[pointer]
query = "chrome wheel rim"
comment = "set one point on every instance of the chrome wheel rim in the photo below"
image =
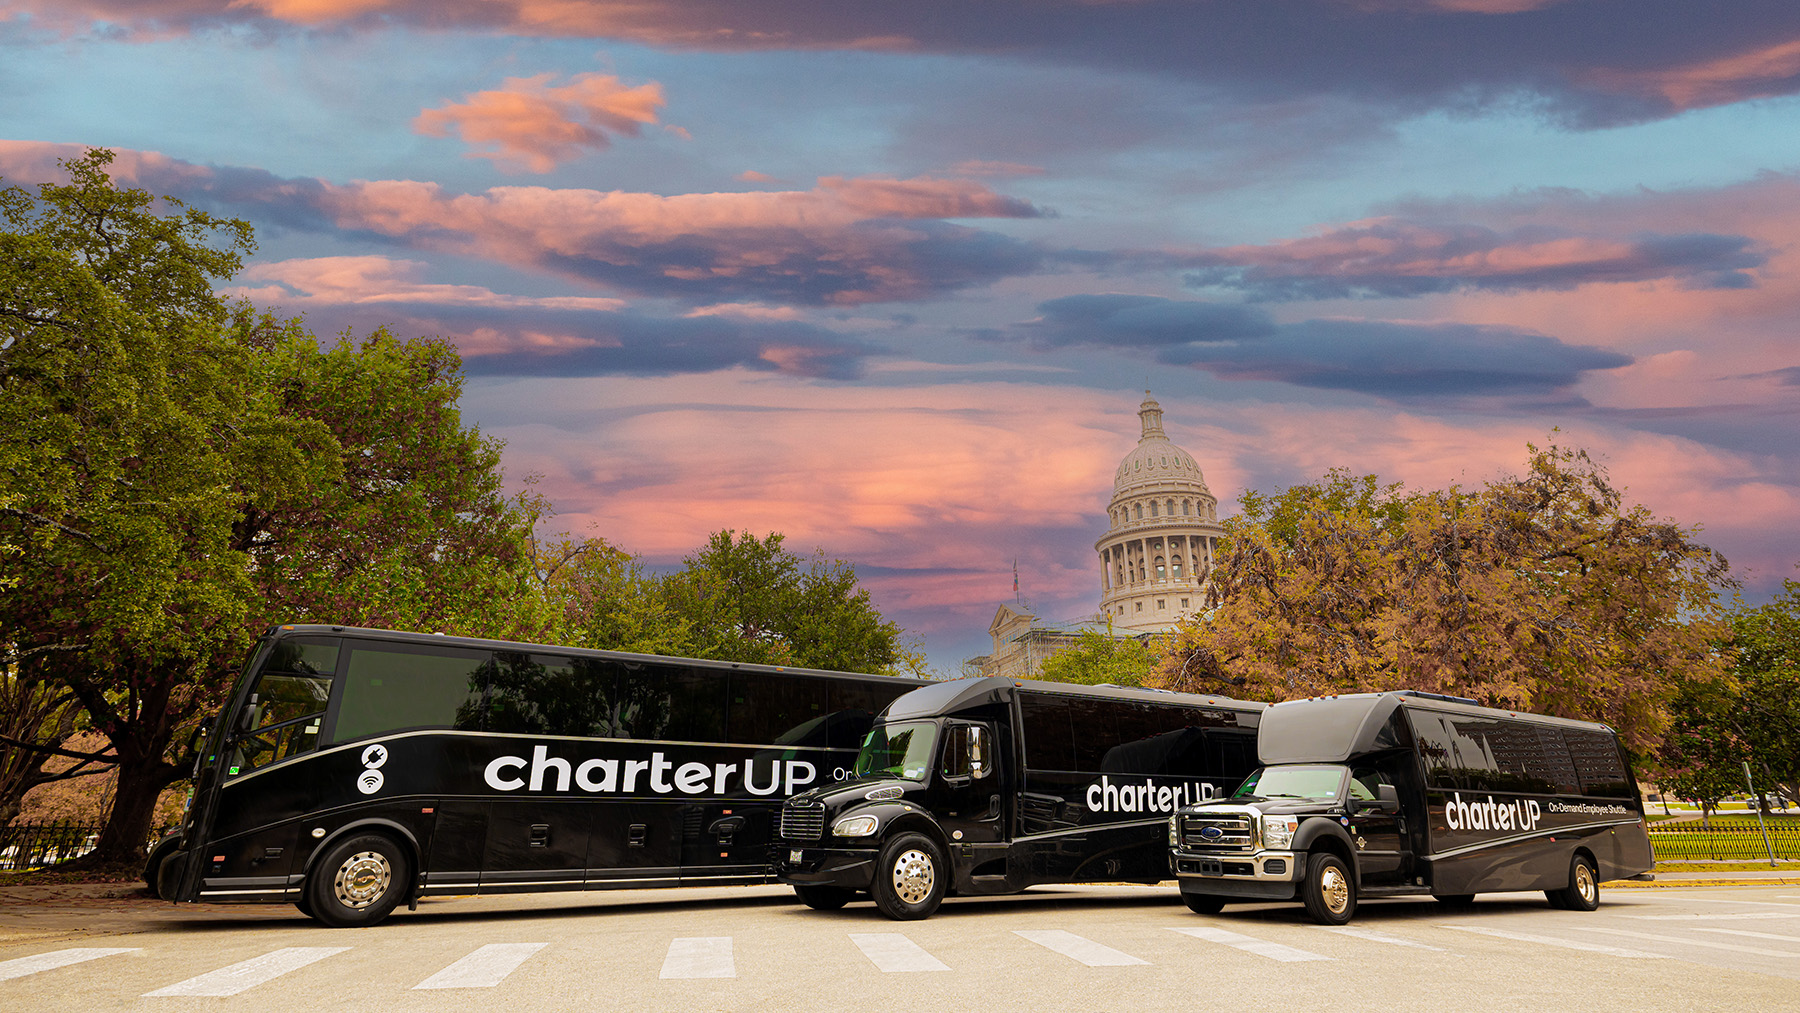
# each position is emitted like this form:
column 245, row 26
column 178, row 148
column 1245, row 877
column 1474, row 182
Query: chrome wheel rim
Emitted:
column 1584, row 883
column 1334, row 890
column 914, row 876
column 362, row 879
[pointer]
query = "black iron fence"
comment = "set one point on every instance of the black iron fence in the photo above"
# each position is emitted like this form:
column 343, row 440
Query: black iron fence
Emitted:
column 1725, row 840
column 32, row 845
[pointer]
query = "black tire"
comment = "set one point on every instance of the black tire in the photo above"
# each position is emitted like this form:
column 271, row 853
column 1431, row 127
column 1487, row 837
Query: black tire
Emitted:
column 824, row 898
column 1583, row 891
column 910, row 878
column 1329, row 891
column 158, row 855
column 1203, row 903
column 1555, row 897
column 1456, row 900
column 304, row 903
column 358, row 881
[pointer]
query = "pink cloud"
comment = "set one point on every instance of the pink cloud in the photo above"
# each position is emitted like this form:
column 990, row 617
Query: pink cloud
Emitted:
column 532, row 124
column 1751, row 73
column 369, row 280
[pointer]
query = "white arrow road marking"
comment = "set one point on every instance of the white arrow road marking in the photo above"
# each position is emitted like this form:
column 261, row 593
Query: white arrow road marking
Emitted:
column 250, row 973
column 22, row 966
column 484, row 968
column 1076, row 948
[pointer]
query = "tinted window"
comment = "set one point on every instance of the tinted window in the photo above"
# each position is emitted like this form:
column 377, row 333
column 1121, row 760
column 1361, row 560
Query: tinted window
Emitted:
column 1049, row 736
column 389, row 688
column 853, row 709
column 670, row 702
column 1096, row 725
column 1596, row 758
column 784, row 709
column 542, row 694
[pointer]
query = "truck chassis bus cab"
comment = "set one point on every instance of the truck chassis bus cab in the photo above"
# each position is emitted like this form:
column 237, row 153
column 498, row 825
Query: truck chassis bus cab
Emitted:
column 989, row 786
column 1397, row 794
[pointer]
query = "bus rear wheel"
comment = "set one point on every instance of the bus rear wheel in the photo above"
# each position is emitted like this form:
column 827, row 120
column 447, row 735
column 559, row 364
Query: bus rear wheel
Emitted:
column 824, row 898
column 1583, row 891
column 910, row 878
column 358, row 881
column 1329, row 892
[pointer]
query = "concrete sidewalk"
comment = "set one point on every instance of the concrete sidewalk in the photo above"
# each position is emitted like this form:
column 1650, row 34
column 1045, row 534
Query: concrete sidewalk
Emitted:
column 1788, row 875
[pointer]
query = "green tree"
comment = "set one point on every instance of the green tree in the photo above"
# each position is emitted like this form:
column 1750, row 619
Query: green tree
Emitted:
column 749, row 599
column 1538, row 592
column 1766, row 641
column 1099, row 657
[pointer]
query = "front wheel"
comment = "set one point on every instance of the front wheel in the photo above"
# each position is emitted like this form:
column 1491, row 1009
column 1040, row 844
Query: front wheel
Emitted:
column 823, row 898
column 154, row 862
column 910, row 878
column 358, row 881
column 1203, row 903
column 1329, row 892
column 1583, row 891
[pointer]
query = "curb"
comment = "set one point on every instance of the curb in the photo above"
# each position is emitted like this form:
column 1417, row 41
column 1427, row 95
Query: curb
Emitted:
column 1665, row 884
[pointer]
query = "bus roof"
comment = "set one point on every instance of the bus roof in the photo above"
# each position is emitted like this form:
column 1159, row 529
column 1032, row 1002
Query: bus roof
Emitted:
column 1333, row 729
column 960, row 694
column 440, row 639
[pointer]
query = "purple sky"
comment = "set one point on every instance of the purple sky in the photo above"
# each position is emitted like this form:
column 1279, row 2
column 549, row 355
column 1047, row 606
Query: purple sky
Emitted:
column 891, row 278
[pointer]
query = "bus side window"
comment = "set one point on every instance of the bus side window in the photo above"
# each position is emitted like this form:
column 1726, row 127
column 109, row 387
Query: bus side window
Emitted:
column 393, row 687
column 548, row 695
column 291, row 695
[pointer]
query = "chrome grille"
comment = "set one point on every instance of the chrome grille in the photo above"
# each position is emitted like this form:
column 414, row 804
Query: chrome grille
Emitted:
column 1215, row 833
column 801, row 821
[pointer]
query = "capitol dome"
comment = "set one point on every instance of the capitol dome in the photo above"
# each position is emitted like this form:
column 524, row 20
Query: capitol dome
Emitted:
column 1163, row 527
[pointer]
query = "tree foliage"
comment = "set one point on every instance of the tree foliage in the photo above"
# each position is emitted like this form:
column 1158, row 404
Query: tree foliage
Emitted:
column 1540, row 592
column 1099, row 658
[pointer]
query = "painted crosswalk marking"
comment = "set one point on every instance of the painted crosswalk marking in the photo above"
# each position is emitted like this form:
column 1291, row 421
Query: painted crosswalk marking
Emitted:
column 700, row 957
column 22, row 966
column 1753, row 935
column 892, row 951
column 250, row 973
column 1373, row 936
column 1250, row 944
column 1077, row 948
column 486, row 967
column 1761, row 951
column 1732, row 916
column 1567, row 944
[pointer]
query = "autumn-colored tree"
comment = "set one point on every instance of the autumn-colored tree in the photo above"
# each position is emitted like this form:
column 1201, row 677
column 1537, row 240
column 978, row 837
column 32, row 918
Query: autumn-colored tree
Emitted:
column 1540, row 592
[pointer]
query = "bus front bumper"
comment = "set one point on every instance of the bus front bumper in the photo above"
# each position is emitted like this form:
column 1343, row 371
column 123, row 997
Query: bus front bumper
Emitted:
column 850, row 868
column 1270, row 875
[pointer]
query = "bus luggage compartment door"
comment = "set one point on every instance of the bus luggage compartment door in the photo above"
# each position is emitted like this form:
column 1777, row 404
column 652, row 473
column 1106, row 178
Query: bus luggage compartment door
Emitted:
column 726, row 842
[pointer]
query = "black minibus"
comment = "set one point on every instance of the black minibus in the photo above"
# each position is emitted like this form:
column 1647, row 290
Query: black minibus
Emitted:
column 1407, row 793
column 991, row 785
column 354, row 769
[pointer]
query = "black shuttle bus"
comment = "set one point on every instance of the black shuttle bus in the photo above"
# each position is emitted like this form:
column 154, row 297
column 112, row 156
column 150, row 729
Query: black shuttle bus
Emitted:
column 1395, row 794
column 354, row 769
column 988, row 786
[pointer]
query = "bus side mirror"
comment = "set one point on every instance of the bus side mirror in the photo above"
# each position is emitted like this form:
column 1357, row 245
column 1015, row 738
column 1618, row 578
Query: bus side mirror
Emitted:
column 1389, row 797
column 246, row 720
column 978, row 753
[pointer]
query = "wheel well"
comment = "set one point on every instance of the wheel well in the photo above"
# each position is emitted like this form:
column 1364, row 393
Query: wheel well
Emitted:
column 1583, row 852
column 919, row 824
column 394, row 831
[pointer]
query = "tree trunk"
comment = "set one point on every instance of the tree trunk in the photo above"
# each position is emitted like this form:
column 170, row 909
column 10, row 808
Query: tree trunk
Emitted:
column 127, row 831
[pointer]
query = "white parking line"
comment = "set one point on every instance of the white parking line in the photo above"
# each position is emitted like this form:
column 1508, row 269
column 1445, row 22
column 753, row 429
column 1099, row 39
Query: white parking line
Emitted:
column 1753, row 935
column 250, row 973
column 1260, row 947
column 1689, row 941
column 892, row 951
column 1732, row 916
column 21, row 966
column 1567, row 944
column 1077, row 948
column 700, row 957
column 486, row 967
column 1377, row 937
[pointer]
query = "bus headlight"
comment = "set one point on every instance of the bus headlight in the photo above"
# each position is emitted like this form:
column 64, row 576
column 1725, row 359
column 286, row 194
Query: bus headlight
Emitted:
column 1174, row 831
column 1278, row 831
column 855, row 826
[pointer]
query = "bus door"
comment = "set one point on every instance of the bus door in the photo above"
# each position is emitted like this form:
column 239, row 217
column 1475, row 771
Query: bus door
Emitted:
column 1378, row 825
column 973, row 790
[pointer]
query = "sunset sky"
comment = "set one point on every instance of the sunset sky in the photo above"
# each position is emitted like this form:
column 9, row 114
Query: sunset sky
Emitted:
column 892, row 277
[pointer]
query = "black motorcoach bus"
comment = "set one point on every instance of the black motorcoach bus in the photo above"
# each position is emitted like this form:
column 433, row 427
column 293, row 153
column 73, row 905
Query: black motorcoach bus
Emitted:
column 354, row 769
column 1395, row 794
column 988, row 786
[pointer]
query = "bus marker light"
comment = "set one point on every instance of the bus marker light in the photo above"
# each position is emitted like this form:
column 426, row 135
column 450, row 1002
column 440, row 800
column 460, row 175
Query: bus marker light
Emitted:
column 318, row 832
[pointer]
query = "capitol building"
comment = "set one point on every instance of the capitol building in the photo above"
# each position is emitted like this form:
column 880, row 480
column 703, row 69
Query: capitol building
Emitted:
column 1155, row 556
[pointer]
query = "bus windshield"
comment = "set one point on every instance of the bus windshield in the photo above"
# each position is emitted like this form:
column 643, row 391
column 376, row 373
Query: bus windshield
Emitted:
column 1323, row 781
column 897, row 750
